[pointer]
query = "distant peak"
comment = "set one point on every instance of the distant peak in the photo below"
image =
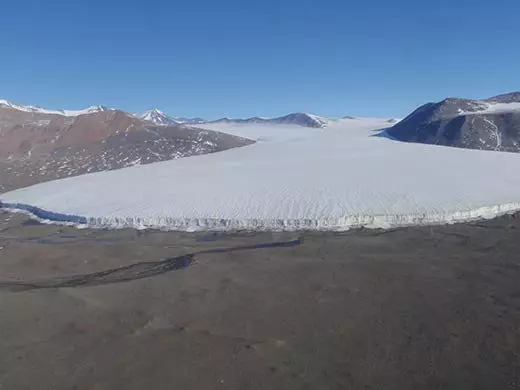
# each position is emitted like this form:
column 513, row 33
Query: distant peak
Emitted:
column 511, row 97
column 41, row 110
column 157, row 117
column 297, row 118
column 97, row 108
column 154, row 111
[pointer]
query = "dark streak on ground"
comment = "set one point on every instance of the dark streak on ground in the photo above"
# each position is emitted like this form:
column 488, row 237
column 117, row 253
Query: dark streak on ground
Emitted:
column 132, row 272
column 118, row 275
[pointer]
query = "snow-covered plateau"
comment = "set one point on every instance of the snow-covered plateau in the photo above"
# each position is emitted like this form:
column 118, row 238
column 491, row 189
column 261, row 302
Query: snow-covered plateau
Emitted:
column 294, row 178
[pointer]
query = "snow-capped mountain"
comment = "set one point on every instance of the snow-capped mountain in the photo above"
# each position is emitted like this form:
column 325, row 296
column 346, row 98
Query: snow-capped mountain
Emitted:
column 489, row 124
column 159, row 118
column 299, row 118
column 40, row 110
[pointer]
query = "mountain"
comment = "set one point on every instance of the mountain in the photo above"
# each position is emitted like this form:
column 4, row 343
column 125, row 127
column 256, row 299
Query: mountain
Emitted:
column 300, row 119
column 513, row 97
column 40, row 110
column 159, row 118
column 489, row 124
column 37, row 146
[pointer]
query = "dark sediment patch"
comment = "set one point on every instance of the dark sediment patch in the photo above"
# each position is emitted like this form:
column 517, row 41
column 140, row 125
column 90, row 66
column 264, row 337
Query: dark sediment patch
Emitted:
column 132, row 272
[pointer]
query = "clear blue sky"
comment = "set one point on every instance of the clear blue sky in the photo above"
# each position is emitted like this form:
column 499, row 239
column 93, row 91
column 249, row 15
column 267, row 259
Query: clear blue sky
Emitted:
column 257, row 57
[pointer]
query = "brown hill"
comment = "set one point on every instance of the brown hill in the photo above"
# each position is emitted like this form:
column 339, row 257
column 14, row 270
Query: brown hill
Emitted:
column 36, row 147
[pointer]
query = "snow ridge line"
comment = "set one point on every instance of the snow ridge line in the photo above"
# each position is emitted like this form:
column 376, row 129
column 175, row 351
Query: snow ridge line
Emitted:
column 215, row 224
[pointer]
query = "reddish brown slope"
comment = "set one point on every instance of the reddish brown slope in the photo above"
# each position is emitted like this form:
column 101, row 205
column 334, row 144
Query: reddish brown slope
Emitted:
column 37, row 147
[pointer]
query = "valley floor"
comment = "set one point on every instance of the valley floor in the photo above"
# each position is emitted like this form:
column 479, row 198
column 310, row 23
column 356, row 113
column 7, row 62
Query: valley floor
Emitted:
column 410, row 308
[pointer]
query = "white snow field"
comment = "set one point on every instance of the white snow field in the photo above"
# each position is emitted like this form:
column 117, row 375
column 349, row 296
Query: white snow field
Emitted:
column 294, row 178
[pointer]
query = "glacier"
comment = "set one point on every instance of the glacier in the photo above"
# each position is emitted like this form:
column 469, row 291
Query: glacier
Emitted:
column 294, row 178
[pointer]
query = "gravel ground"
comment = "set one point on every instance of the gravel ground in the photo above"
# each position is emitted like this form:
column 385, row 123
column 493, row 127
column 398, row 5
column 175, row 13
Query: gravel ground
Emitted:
column 412, row 308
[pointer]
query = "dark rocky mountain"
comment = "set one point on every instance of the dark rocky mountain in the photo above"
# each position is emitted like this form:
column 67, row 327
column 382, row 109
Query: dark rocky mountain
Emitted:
column 491, row 124
column 513, row 97
column 37, row 147
column 299, row 118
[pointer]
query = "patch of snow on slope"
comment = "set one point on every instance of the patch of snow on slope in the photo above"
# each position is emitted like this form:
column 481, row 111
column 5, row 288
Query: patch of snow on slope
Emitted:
column 496, row 108
column 328, row 179
column 319, row 119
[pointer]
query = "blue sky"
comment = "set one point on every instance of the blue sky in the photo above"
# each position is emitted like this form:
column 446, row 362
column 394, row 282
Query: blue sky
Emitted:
column 242, row 58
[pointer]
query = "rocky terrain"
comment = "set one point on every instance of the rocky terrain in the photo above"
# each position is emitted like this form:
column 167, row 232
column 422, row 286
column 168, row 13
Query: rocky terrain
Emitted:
column 490, row 124
column 40, row 145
